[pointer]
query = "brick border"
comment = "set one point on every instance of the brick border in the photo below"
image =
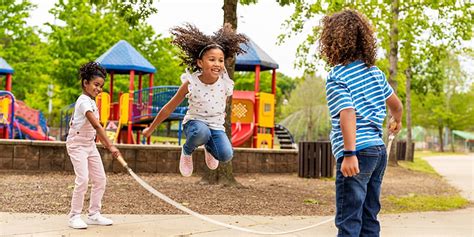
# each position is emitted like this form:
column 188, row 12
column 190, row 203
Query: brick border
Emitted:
column 52, row 156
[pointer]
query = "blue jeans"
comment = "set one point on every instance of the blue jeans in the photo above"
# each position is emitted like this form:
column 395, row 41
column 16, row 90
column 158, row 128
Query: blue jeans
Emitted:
column 358, row 197
column 215, row 141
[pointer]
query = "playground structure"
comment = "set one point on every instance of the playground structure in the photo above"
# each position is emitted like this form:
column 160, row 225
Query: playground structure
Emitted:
column 17, row 120
column 130, row 113
column 253, row 112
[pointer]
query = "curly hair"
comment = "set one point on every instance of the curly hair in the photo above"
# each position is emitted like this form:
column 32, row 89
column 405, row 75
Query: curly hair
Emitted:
column 194, row 43
column 347, row 36
column 90, row 71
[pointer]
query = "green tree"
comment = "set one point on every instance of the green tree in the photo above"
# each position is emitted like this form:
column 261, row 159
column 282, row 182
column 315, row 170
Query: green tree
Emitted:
column 306, row 115
column 447, row 101
column 396, row 22
column 22, row 48
column 83, row 33
column 224, row 174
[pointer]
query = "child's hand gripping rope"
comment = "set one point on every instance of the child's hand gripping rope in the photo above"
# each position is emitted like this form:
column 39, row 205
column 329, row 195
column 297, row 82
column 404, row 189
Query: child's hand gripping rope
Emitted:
column 393, row 128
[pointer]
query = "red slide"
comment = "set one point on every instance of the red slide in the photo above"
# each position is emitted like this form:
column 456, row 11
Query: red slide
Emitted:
column 241, row 132
column 32, row 118
column 34, row 134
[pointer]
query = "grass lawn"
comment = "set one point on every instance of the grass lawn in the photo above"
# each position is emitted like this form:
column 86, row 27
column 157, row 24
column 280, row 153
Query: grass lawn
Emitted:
column 418, row 165
column 166, row 140
column 414, row 203
column 441, row 200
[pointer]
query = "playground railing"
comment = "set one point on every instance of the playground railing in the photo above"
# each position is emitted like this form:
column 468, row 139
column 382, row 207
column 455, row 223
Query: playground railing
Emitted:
column 66, row 114
column 149, row 101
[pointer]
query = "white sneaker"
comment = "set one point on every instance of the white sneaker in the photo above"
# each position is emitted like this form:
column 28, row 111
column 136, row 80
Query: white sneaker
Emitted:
column 98, row 219
column 77, row 223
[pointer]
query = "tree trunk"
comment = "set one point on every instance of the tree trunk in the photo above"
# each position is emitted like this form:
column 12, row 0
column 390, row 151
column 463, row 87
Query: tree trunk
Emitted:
column 409, row 150
column 440, row 133
column 451, row 138
column 393, row 60
column 310, row 132
column 224, row 174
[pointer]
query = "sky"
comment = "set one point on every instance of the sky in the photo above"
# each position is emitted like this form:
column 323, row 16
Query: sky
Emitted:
column 207, row 15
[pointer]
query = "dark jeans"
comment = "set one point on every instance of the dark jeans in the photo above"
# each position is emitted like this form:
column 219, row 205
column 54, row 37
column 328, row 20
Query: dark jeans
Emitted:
column 358, row 197
column 214, row 141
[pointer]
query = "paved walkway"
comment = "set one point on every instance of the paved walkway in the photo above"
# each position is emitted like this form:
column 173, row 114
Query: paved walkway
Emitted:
column 457, row 170
column 455, row 223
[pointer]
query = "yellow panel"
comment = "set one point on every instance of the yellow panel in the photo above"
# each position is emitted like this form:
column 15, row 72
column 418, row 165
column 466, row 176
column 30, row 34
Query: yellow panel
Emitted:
column 4, row 109
column 242, row 111
column 266, row 113
column 124, row 102
column 264, row 140
column 104, row 106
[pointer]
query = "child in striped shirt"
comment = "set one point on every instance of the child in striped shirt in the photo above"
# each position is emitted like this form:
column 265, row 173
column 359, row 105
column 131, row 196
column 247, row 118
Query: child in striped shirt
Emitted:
column 357, row 92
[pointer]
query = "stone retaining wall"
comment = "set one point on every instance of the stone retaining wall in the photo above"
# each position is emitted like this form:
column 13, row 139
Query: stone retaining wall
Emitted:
column 52, row 156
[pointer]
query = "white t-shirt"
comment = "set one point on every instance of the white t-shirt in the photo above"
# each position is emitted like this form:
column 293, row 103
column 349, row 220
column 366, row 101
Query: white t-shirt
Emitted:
column 207, row 102
column 83, row 104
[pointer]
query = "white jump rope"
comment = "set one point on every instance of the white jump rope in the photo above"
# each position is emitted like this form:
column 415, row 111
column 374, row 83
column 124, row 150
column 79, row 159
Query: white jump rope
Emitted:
column 210, row 220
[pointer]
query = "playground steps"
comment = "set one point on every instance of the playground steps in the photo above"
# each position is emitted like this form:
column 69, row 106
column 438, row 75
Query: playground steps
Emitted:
column 284, row 137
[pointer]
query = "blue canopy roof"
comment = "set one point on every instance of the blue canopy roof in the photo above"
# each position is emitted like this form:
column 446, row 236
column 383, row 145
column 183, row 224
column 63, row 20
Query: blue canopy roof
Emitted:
column 5, row 68
column 254, row 56
column 123, row 57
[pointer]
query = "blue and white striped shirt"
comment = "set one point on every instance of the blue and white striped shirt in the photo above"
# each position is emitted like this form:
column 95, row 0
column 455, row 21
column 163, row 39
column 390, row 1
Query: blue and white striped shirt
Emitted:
column 363, row 89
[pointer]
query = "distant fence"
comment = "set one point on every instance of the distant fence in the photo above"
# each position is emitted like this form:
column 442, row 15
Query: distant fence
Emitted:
column 315, row 159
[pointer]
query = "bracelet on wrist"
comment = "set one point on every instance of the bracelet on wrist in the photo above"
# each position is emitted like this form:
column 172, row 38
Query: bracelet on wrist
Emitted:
column 349, row 153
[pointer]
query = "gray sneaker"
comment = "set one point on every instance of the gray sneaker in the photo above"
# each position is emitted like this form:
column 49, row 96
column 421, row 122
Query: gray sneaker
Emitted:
column 98, row 219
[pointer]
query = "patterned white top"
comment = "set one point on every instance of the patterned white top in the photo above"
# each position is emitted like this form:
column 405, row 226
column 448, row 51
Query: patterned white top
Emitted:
column 207, row 101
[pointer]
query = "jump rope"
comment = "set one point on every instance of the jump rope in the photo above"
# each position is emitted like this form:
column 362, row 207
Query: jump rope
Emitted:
column 210, row 220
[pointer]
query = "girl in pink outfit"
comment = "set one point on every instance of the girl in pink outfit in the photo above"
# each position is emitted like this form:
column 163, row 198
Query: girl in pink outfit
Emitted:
column 82, row 149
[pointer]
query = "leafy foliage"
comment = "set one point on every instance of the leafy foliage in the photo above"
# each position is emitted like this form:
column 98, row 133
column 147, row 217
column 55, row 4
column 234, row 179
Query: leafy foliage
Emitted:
column 306, row 115
column 427, row 32
column 22, row 48
column 86, row 33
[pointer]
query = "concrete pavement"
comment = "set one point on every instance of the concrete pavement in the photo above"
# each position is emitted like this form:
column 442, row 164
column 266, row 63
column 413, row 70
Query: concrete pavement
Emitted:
column 456, row 170
column 455, row 223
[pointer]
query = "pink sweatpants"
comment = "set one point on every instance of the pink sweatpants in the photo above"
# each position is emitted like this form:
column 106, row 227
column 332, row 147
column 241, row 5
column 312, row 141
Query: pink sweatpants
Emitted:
column 87, row 163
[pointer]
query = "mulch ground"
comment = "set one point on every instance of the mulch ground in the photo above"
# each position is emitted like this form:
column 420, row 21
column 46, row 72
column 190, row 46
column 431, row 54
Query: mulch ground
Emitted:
column 260, row 194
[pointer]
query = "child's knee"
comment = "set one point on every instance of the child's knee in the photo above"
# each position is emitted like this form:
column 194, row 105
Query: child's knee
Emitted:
column 226, row 155
column 100, row 181
column 81, row 184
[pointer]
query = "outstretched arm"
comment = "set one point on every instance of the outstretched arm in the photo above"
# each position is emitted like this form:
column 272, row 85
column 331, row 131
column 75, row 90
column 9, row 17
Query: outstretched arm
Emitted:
column 167, row 109
column 101, row 134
